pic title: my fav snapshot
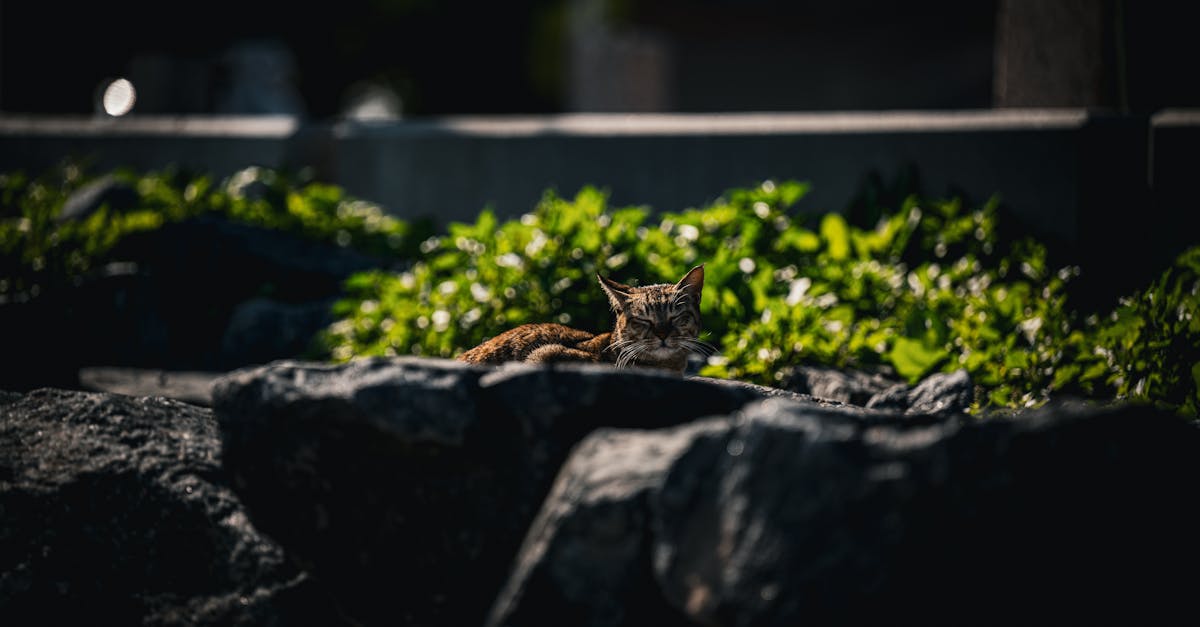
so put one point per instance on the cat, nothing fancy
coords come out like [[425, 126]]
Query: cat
[[657, 326]]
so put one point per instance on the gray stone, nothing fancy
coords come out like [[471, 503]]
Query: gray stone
[[262, 330], [797, 514], [941, 393], [105, 191], [846, 386], [391, 476], [891, 399], [189, 387], [115, 510], [584, 558]]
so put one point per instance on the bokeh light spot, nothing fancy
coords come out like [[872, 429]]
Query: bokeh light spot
[[119, 97]]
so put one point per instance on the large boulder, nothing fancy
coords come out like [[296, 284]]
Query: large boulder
[[115, 510], [794, 514], [406, 485], [586, 558]]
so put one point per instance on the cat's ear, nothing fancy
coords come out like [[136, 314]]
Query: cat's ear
[[618, 293], [692, 283]]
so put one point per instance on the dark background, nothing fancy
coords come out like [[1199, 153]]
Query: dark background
[[461, 56]]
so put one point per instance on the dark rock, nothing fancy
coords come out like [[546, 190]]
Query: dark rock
[[893, 399], [114, 510], [261, 330], [211, 251], [805, 515], [105, 191], [755, 391], [939, 393], [942, 393], [585, 560], [407, 484], [846, 386]]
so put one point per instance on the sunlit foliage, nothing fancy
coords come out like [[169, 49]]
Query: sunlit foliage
[[929, 287]]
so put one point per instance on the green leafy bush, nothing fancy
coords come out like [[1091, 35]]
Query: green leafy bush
[[1148, 349], [484, 277], [37, 248], [928, 288]]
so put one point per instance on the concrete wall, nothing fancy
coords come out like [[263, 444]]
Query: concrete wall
[[1069, 176], [450, 168]]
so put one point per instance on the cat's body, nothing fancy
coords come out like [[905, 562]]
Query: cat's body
[[657, 326], [541, 343]]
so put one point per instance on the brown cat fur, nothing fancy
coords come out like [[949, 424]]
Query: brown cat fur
[[657, 326]]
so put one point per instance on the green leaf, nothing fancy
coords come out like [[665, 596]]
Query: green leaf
[[837, 236], [791, 191], [913, 358], [1094, 371], [800, 239]]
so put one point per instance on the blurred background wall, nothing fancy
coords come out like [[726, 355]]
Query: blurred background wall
[[424, 57], [1075, 111]]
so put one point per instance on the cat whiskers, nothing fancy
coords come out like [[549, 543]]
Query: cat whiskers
[[699, 347], [619, 345], [629, 350], [630, 354]]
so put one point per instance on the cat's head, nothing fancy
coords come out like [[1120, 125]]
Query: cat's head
[[657, 323]]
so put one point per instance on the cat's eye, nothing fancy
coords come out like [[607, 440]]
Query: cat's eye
[[641, 322]]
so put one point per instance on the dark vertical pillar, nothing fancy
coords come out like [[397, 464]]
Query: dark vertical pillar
[[1060, 53]]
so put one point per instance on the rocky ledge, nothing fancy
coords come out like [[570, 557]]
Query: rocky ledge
[[429, 492], [116, 510]]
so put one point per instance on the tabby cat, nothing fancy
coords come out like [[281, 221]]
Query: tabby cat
[[657, 326]]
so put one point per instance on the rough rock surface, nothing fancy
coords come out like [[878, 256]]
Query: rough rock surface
[[428, 492], [114, 510], [846, 386], [942, 393], [407, 484], [939, 393], [586, 558], [797, 514]]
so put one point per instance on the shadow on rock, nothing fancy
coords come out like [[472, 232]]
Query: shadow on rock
[[794, 514], [115, 510]]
